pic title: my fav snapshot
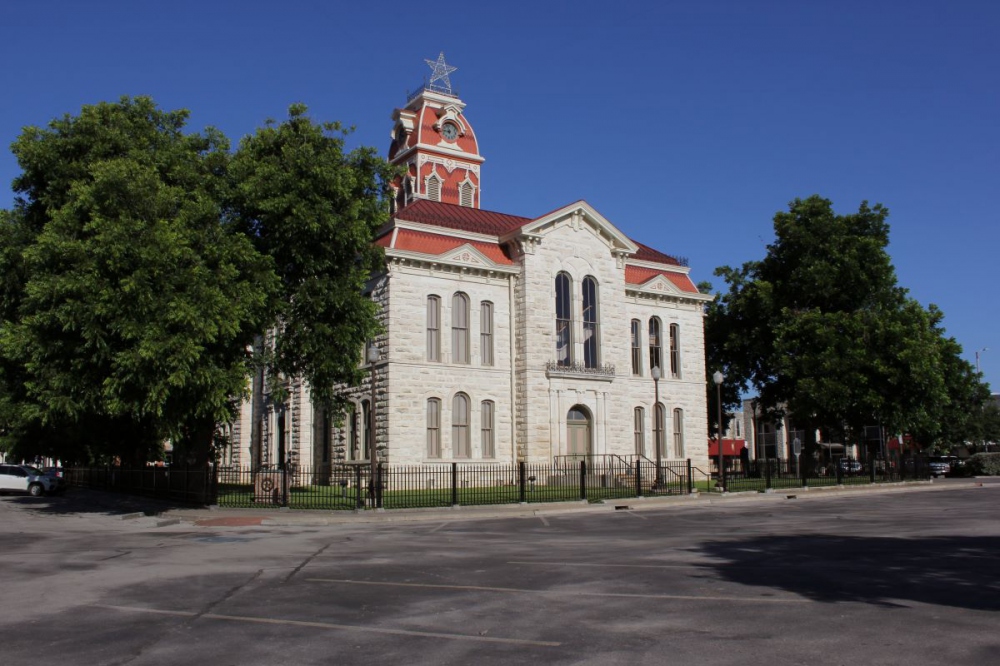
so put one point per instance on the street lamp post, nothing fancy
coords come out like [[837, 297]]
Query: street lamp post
[[373, 357], [978, 352], [657, 427], [718, 378]]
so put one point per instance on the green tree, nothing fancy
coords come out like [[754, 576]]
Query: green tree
[[820, 328], [314, 208], [129, 301]]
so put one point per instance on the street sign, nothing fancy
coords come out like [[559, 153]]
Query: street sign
[[797, 447]]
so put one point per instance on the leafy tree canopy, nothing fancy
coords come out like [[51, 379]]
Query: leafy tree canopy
[[141, 263], [820, 328], [314, 208]]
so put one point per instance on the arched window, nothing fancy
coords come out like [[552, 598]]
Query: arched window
[[408, 190], [486, 332], [591, 337], [460, 426], [675, 350], [433, 428], [432, 185], [678, 433], [433, 328], [486, 429], [639, 429], [658, 428], [467, 194], [636, 347], [460, 328], [564, 320], [654, 345]]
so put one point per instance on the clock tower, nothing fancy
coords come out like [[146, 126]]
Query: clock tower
[[432, 138]]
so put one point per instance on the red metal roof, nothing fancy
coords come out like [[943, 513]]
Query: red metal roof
[[436, 244], [647, 253], [463, 218], [476, 220], [642, 275]]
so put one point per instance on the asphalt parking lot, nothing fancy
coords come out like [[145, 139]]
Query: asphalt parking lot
[[907, 577]]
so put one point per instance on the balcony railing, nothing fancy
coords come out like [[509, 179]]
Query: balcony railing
[[604, 372]]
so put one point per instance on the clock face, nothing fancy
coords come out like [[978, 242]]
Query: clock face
[[449, 131]]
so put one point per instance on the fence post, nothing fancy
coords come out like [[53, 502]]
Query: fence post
[[520, 482], [583, 479], [454, 484], [805, 475], [767, 473], [638, 478], [359, 501], [690, 480], [840, 474]]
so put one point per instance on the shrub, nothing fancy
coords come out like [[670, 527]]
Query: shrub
[[985, 464]]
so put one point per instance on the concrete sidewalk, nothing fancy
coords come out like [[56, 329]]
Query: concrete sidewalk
[[281, 517], [155, 513]]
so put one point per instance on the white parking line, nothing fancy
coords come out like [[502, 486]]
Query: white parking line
[[561, 593], [329, 625], [609, 566]]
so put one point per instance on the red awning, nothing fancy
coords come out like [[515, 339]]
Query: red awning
[[730, 447]]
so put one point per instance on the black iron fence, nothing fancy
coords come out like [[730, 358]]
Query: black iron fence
[[592, 478], [743, 476], [167, 483], [333, 487]]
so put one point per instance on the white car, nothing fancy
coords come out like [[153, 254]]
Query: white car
[[26, 479]]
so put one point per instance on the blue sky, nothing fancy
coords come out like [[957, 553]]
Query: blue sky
[[687, 124]]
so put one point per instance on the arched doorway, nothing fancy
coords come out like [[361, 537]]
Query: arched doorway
[[579, 442]]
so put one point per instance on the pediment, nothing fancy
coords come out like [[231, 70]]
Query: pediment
[[580, 215], [468, 255], [659, 285]]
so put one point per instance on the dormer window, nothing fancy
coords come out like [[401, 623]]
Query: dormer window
[[467, 194], [432, 185]]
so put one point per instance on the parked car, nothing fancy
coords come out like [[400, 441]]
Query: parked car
[[939, 465], [27, 479], [848, 466]]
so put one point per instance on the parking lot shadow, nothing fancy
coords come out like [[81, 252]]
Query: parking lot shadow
[[959, 571], [83, 500]]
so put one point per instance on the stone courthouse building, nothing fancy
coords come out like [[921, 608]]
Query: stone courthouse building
[[506, 338]]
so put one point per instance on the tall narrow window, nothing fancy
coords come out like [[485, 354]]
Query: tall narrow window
[[486, 430], [564, 323], [433, 328], [636, 348], [433, 428], [466, 194], [639, 431], [460, 328], [433, 187], [353, 444], [460, 426], [658, 428], [678, 433], [366, 427], [486, 332], [327, 434], [591, 346], [675, 350], [654, 344]]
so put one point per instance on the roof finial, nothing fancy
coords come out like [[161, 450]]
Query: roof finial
[[441, 70]]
